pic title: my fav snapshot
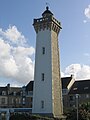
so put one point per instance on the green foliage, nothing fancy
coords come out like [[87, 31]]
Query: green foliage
[[30, 117], [71, 114], [19, 117], [83, 112]]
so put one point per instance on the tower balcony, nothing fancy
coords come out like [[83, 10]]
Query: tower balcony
[[47, 23], [46, 19]]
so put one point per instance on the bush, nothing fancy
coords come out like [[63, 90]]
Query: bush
[[30, 117], [83, 112]]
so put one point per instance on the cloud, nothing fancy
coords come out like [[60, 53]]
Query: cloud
[[62, 74], [79, 71], [72, 69], [87, 12], [16, 61], [85, 21], [13, 36], [84, 72]]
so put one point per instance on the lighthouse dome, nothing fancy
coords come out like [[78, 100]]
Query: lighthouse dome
[[47, 12]]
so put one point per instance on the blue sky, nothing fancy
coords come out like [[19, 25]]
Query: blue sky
[[17, 35]]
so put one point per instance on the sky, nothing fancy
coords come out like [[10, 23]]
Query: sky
[[18, 38]]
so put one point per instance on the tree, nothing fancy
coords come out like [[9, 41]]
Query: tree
[[83, 112]]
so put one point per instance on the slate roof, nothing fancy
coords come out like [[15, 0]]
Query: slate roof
[[15, 89], [3, 89], [80, 87], [65, 81], [29, 86], [11, 90]]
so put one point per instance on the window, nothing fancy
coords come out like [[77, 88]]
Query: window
[[16, 100], [19, 100], [75, 88], [42, 104], [43, 76], [14, 93], [31, 105], [64, 91], [12, 100], [86, 88], [30, 93], [31, 99], [23, 100], [71, 98], [3, 92], [3, 100], [24, 93], [21, 93], [43, 50], [87, 95]]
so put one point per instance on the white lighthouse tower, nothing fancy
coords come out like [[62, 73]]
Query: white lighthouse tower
[[47, 93]]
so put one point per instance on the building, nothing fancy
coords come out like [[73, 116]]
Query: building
[[44, 94], [29, 94], [80, 88], [22, 97], [66, 84], [10, 97], [16, 97], [73, 89], [70, 89], [47, 93]]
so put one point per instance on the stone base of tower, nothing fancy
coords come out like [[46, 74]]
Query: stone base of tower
[[50, 115], [62, 117]]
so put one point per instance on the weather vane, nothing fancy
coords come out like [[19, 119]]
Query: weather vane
[[47, 4]]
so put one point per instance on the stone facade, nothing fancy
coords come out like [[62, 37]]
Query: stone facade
[[56, 79], [16, 97]]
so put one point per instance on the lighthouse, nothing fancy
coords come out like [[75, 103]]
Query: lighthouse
[[47, 92]]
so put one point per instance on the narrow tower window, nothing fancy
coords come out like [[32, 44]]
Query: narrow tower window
[[43, 76], [42, 104], [43, 50]]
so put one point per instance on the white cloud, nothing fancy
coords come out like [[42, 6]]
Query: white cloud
[[23, 51], [4, 49], [84, 72], [10, 67], [15, 58], [16, 62], [87, 12], [13, 36], [73, 69], [85, 21], [79, 71], [62, 74]]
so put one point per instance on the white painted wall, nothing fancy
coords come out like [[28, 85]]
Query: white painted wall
[[43, 89]]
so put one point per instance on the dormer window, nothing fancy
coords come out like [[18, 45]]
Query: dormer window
[[3, 92], [75, 88]]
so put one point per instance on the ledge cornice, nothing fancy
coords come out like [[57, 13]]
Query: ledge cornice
[[47, 23]]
